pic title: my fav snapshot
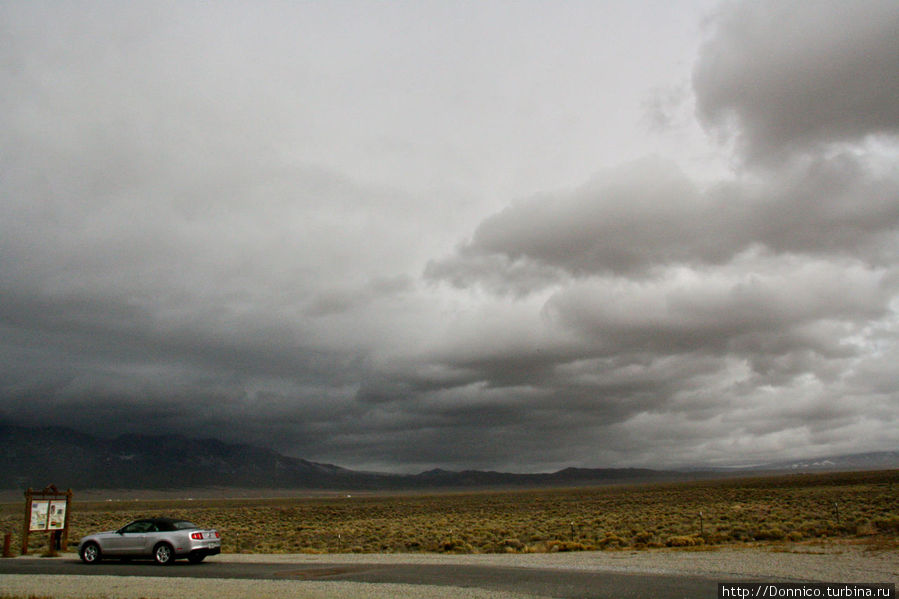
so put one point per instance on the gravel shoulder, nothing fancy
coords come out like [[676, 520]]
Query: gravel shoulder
[[839, 563], [145, 587]]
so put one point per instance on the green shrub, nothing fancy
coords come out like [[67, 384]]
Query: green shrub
[[685, 541], [643, 538], [769, 534], [611, 542], [512, 545], [888, 525]]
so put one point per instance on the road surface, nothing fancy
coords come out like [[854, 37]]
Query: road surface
[[517, 580]]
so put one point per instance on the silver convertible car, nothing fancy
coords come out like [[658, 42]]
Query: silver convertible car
[[162, 539]]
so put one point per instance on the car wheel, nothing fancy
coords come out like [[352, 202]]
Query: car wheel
[[164, 554], [195, 558], [90, 553]]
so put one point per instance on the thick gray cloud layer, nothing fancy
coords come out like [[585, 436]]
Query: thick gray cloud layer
[[404, 236], [649, 215], [784, 77]]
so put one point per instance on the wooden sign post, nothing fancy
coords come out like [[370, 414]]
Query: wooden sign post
[[47, 511]]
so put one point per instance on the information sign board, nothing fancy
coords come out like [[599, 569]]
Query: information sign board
[[47, 511]]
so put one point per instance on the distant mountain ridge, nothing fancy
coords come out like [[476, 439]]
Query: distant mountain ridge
[[35, 457]]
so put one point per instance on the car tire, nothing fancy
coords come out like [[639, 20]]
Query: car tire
[[196, 558], [90, 553], [164, 554]]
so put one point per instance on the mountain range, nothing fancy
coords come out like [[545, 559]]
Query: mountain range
[[36, 457]]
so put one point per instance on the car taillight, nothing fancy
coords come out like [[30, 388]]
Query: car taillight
[[216, 534], [196, 535]]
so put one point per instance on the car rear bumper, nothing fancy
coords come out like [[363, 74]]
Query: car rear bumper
[[206, 551]]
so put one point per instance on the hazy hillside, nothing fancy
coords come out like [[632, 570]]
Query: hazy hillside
[[35, 457]]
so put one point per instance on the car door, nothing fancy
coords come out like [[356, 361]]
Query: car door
[[128, 540], [154, 535]]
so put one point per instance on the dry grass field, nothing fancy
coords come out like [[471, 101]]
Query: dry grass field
[[809, 507]]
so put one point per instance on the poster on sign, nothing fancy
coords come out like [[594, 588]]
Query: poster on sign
[[57, 517], [40, 509]]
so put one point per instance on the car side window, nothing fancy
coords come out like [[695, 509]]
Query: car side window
[[133, 527], [139, 526]]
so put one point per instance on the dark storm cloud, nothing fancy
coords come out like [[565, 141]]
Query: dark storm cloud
[[242, 227], [791, 76], [165, 266]]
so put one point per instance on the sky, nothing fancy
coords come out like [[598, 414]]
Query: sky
[[498, 235]]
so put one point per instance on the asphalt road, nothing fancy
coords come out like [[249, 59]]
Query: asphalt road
[[547, 582]]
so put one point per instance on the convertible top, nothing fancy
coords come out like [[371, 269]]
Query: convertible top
[[167, 524]]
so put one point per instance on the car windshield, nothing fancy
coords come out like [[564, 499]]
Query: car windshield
[[184, 524]]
